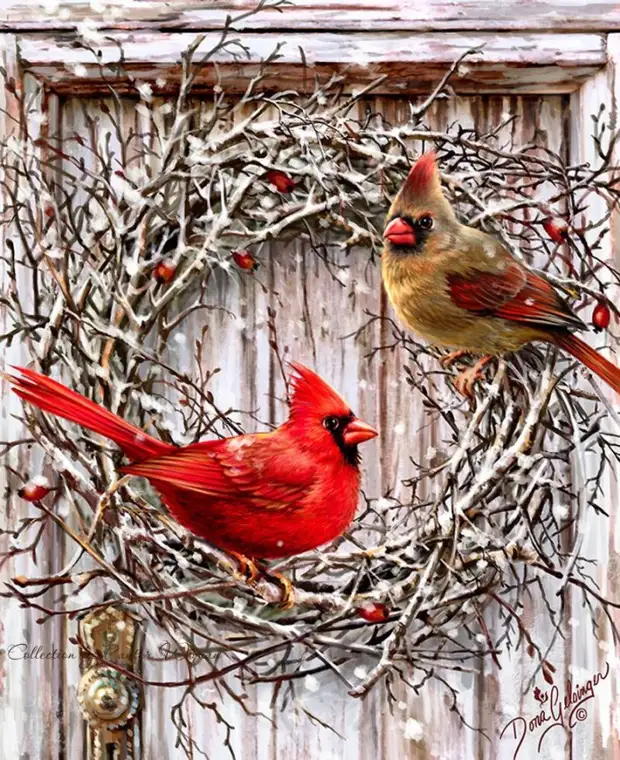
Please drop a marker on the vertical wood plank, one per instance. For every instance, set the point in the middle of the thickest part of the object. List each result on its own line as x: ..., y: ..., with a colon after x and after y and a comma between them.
x: 599, y: 736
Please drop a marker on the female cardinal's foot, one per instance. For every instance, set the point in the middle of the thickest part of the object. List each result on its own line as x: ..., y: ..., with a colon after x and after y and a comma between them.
x: 449, y: 359
x: 466, y: 380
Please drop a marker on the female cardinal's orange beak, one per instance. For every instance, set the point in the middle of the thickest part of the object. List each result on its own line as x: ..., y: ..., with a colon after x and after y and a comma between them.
x: 357, y: 431
x: 399, y: 232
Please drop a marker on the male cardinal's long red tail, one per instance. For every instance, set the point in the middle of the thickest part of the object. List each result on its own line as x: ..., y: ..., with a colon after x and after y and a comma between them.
x: 53, y: 397
x: 591, y: 358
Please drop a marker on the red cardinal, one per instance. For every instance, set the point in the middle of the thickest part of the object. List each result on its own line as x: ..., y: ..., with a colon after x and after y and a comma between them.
x: 459, y: 287
x: 263, y: 495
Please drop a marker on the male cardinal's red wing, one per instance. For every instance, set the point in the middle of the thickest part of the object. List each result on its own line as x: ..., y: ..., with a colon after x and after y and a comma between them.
x: 517, y: 294
x: 260, y: 468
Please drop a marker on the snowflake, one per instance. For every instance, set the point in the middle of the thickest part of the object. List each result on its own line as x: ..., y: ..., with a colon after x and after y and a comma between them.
x: 382, y: 504
x: 145, y: 90
x: 311, y: 683
x: 50, y: 7
x: 87, y: 29
x: 360, y: 672
x: 414, y: 730
x: 78, y: 69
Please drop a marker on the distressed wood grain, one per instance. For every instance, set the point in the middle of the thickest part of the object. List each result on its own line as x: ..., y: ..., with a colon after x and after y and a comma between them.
x: 411, y: 62
x: 347, y: 15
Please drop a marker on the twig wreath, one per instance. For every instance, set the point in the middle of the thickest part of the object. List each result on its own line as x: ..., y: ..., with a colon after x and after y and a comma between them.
x: 107, y: 258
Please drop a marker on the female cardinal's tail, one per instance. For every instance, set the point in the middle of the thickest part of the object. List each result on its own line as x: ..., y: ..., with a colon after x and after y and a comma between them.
x: 53, y: 397
x: 601, y: 366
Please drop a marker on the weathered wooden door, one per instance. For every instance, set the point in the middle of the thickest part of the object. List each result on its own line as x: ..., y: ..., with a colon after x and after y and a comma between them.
x: 551, y: 66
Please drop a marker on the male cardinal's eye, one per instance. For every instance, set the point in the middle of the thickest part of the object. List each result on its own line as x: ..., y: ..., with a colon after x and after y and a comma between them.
x: 426, y: 222
x: 331, y: 423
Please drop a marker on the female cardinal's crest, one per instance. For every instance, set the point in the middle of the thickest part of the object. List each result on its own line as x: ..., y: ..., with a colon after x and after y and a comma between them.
x: 312, y: 395
x: 423, y: 176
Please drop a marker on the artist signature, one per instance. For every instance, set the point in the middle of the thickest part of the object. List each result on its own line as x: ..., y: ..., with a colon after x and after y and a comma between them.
x: 564, y: 712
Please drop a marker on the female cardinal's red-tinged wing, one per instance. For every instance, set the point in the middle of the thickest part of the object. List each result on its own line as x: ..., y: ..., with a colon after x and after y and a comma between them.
x: 260, y: 467
x: 516, y: 294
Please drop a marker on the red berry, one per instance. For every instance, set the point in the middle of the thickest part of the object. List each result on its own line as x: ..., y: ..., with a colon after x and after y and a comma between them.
x: 245, y: 260
x: 281, y: 181
x: 557, y: 229
x: 373, y: 612
x: 601, y: 316
x: 35, y: 490
x: 164, y: 271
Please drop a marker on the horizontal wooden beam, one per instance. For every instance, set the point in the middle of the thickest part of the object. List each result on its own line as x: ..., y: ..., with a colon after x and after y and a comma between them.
x: 526, y: 63
x: 317, y: 15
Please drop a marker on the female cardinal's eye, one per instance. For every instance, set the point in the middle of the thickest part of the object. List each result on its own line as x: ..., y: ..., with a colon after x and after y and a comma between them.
x: 426, y: 222
x: 331, y: 423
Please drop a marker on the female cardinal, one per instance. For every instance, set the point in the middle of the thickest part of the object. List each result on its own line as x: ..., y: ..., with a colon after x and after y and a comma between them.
x: 264, y: 495
x: 459, y: 287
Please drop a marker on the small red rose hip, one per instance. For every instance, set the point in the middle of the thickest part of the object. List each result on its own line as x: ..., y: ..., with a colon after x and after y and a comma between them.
x: 373, y: 612
x: 245, y: 260
x: 35, y: 490
x: 164, y: 271
x: 281, y: 181
x: 557, y: 229
x: 601, y: 316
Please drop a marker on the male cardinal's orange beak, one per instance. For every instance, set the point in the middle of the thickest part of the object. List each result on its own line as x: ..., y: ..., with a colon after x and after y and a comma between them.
x: 357, y: 432
x: 399, y: 232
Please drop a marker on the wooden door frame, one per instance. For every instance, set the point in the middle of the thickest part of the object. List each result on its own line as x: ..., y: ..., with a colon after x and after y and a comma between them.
x: 570, y: 52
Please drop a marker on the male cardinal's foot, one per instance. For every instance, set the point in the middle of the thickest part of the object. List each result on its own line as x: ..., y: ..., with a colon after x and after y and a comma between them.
x: 466, y: 380
x: 449, y: 359
x: 247, y: 569
x: 288, y: 592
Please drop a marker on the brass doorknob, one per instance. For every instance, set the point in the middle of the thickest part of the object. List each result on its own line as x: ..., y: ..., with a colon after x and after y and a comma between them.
x: 108, y: 698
